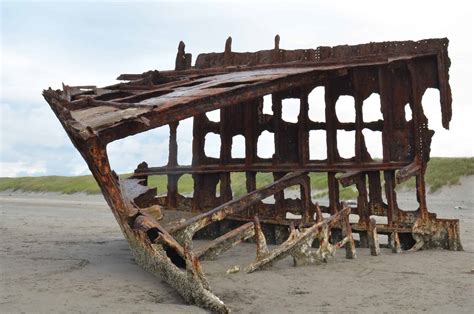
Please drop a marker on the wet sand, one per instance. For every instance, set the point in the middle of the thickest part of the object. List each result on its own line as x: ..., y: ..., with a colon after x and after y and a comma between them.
x: 65, y: 253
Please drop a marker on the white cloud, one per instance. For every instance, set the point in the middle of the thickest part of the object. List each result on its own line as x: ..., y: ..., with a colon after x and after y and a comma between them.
x: 29, y: 126
x: 21, y: 168
x: 46, y: 44
x: 25, y: 73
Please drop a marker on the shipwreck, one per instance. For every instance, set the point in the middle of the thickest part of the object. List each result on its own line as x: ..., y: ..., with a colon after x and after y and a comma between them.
x: 160, y: 225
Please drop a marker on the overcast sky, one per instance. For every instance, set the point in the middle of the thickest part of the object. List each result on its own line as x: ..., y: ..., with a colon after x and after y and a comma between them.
x: 84, y: 43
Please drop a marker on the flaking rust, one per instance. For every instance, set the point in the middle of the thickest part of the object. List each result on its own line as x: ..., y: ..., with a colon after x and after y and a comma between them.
x: 160, y: 229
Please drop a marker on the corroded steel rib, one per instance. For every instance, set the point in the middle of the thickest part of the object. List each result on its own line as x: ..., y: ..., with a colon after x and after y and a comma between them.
x: 299, y: 245
x: 407, y: 172
x: 223, y: 243
x: 373, y: 238
x: 186, y: 230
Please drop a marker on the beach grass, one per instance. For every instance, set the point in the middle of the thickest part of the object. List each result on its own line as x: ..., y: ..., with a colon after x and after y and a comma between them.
x: 440, y: 172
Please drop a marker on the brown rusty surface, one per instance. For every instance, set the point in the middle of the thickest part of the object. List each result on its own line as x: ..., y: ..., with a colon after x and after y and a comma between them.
x: 373, y: 238
x: 160, y: 229
x: 299, y: 245
x: 223, y: 243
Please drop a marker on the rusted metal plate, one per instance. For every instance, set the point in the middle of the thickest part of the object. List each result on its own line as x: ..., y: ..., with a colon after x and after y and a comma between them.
x: 160, y: 229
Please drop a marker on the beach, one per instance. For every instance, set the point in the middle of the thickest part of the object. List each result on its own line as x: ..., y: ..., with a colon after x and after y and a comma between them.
x: 65, y: 253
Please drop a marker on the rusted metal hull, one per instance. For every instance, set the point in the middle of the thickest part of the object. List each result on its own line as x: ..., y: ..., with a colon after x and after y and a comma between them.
x: 160, y: 230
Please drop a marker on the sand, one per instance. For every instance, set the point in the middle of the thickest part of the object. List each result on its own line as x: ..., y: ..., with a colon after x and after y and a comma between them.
x: 65, y: 253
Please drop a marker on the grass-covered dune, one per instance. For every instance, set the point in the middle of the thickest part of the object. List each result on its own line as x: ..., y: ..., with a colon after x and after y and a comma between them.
x: 440, y: 172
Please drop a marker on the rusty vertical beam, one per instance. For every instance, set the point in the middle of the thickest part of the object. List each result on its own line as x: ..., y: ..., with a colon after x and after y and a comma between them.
x: 277, y: 127
x: 373, y: 238
x: 331, y: 144
x: 348, y: 241
x: 278, y: 130
x: 180, y: 57
x: 173, y: 145
x: 199, y: 133
x: 172, y: 188
x: 421, y: 193
x: 331, y: 123
x: 277, y: 42
x: 251, y: 139
x: 375, y: 187
x: 444, y: 88
x: 277, y: 55
x: 415, y: 100
x: 385, y: 90
x: 303, y: 132
x: 228, y: 54
x: 360, y: 151
x: 225, y: 153
x: 390, y: 194
x: 225, y: 187
x: 305, y: 191
x: 250, y: 129
x: 183, y: 59
x: 172, y: 195
x: 362, y: 208
x: 419, y: 124
x: 251, y: 185
x: 225, y: 133
x: 362, y: 203
x: 333, y: 193
x: 279, y: 197
x: 395, y: 242
x: 198, y: 157
x: 197, y: 186
x: 251, y: 182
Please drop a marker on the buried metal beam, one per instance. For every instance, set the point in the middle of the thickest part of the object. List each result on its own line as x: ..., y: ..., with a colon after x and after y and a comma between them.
x: 262, y: 249
x: 407, y: 172
x: 395, y: 242
x: 225, y: 242
x: 348, y: 240
x: 299, y: 245
x: 373, y: 238
x: 185, y: 231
